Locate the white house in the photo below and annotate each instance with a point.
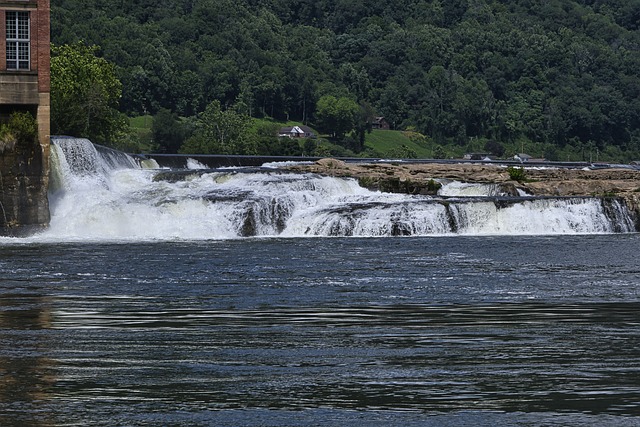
(296, 132)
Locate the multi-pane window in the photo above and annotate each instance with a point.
(18, 43)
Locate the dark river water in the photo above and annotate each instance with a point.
(445, 331)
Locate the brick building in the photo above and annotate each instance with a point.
(24, 86)
(24, 60)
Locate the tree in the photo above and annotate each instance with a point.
(84, 95)
(337, 116)
(440, 87)
(168, 133)
(220, 131)
(453, 69)
(366, 115)
(494, 147)
(439, 152)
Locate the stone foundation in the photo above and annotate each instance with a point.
(24, 205)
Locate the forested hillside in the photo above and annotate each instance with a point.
(549, 72)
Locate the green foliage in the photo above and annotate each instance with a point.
(7, 139)
(264, 133)
(545, 74)
(416, 137)
(284, 147)
(141, 123)
(140, 136)
(494, 147)
(517, 173)
(219, 131)
(551, 153)
(168, 131)
(363, 125)
(337, 116)
(140, 129)
(433, 186)
(607, 194)
(439, 152)
(84, 95)
(402, 152)
(384, 141)
(325, 148)
(309, 147)
(22, 127)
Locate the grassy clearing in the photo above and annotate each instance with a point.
(384, 141)
(257, 122)
(141, 123)
(141, 128)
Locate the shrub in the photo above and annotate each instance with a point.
(7, 139)
(402, 152)
(433, 186)
(21, 127)
(517, 174)
(24, 127)
(439, 152)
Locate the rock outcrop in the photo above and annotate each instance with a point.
(418, 178)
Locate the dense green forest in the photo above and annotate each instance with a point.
(554, 74)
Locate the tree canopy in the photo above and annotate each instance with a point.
(220, 131)
(556, 72)
(84, 94)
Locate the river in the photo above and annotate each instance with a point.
(261, 298)
(329, 331)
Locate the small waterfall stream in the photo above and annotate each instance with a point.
(102, 194)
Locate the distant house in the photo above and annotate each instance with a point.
(477, 156)
(380, 123)
(300, 131)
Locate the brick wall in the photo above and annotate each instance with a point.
(33, 16)
(40, 39)
(43, 45)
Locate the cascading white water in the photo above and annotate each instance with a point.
(542, 216)
(117, 200)
(76, 162)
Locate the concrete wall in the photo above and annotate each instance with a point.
(19, 89)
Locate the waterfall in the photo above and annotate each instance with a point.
(77, 161)
(104, 195)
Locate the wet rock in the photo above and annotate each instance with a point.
(612, 181)
(248, 228)
(24, 205)
(394, 184)
(538, 182)
(173, 176)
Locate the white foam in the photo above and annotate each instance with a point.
(94, 201)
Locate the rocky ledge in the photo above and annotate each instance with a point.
(537, 181)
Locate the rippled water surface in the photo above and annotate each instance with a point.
(282, 332)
